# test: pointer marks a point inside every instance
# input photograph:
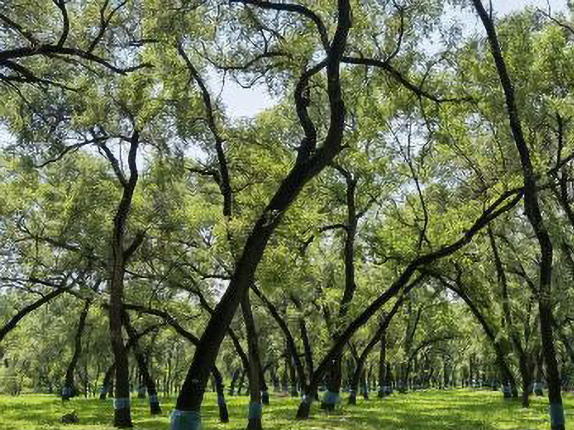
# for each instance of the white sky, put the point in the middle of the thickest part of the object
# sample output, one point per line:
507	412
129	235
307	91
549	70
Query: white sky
243	102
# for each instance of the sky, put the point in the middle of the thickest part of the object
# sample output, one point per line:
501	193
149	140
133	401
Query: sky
249	102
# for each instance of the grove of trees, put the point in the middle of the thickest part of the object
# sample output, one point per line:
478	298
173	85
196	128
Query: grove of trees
402	217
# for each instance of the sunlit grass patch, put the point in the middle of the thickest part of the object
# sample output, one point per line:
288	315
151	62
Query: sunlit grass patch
423	410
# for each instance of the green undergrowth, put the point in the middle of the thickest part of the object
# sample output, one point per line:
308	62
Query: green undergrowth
428	410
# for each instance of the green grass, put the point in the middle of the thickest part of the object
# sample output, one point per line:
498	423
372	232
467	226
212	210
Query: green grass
423	410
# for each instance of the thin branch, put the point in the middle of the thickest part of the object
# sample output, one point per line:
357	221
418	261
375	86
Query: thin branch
71	148
225	181
556	21
114	162
104	22
295	8
307	242
395	74
51	50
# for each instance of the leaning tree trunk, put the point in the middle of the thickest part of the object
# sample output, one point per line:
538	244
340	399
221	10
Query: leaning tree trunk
362	359
309	163
69	389
508	381
291	347
534	214
499	207
143	367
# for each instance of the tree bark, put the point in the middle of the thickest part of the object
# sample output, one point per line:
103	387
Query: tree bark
335	371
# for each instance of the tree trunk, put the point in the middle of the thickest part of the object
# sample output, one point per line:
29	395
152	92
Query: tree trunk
309	163
119	257
334	376
499	207
234	379
365	387
255	406
383	390
534	215
335	372
522	358
107	383
69	390
291	347
142	363
508	381
219	388
264	387
292	376
362	359
122	416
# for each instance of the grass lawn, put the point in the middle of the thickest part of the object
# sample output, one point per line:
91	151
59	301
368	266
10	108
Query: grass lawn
428	410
